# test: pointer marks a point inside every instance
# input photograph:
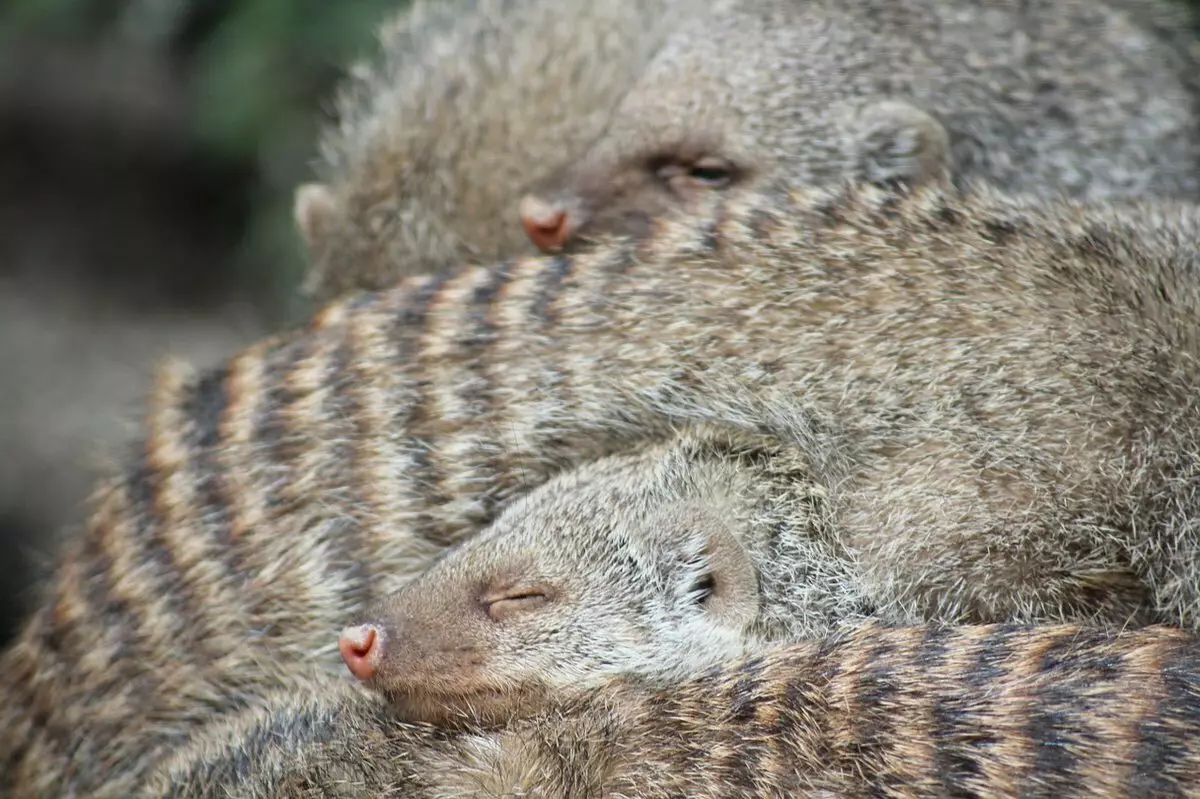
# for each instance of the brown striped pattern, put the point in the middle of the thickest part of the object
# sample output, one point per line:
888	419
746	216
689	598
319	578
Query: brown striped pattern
1000	711
1061	712
272	497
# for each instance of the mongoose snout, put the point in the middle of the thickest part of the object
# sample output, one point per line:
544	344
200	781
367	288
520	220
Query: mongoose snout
547	225
360	646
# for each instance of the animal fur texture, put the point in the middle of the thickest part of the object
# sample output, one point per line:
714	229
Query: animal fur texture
998	396
663	561
984	712
466	107
1087	99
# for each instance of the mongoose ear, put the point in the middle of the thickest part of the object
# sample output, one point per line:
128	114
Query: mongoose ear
735	598
313	207
726	576
897	142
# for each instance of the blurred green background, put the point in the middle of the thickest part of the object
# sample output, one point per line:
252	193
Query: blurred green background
246	82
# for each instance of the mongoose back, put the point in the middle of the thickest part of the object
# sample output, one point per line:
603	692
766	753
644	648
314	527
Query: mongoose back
1076	97
978	381
469	104
903	712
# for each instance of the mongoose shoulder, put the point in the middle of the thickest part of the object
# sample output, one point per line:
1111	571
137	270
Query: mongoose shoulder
1078	97
906	712
999	394
468	105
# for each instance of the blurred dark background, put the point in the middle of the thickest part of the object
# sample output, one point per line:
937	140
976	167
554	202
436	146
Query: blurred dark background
148	154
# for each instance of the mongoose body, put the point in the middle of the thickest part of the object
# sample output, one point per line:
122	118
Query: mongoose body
984	712
999	395
1075	97
467	107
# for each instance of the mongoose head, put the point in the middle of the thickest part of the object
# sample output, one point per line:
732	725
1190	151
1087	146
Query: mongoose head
757	103
643	563
468	104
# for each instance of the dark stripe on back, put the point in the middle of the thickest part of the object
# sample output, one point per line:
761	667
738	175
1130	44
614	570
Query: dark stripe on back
888	209
347	534
951	720
476	337
271	426
1056	713
479	393
1170	740
109	612
407	334
947	214
550	280
802	724
747	748
204	407
875	690
960	734
144	487
619	258
1001	231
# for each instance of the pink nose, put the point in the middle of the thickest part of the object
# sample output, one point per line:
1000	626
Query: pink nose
547	225
360	649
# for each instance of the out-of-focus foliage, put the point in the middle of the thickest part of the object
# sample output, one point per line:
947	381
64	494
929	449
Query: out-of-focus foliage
256	78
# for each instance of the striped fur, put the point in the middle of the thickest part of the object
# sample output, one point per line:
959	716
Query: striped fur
999	396
992	712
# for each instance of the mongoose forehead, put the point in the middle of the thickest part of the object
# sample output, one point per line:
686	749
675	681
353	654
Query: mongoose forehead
1000	711
659	562
999	394
1073	97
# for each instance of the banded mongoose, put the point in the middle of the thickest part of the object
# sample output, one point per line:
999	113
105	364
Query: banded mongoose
977	380
467	107
663	561
1077	97
984	712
